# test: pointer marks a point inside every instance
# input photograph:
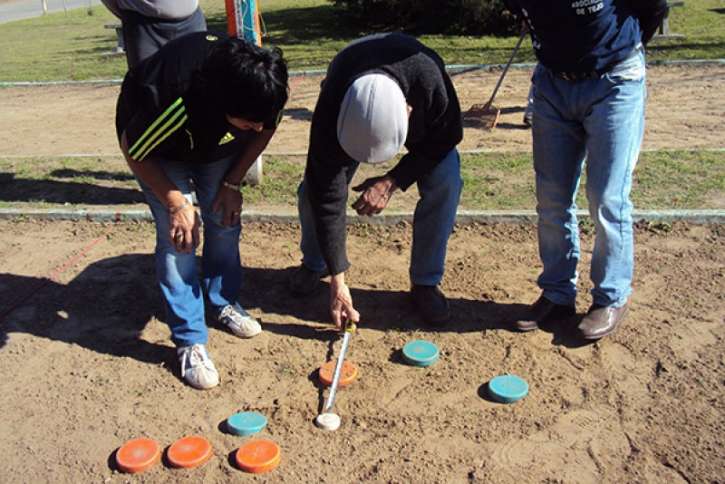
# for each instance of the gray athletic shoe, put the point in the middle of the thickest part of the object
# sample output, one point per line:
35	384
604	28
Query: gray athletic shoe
239	321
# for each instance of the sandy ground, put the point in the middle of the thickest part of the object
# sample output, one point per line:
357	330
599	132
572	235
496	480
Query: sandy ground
87	364
685	110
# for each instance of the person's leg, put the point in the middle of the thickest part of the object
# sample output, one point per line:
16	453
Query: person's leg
221	264
305	280
615	129
177	272
311	254
559	147
435	214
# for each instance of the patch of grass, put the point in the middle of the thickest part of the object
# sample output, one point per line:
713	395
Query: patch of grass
76	46
693	179
493	181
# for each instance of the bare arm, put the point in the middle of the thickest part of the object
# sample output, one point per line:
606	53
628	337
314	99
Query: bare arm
229	199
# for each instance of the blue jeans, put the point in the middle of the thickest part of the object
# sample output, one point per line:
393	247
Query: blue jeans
177	272
602	120
435	214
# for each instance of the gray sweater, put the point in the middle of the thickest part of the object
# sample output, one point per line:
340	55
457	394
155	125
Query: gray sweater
163	9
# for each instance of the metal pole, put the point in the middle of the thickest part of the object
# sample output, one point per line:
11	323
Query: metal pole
338	370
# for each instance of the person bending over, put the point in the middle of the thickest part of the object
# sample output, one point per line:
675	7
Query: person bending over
199	112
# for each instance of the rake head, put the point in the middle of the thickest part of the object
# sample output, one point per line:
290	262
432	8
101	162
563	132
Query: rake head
483	115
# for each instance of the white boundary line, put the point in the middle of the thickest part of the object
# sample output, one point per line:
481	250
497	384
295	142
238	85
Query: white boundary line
452	68
290	217
304	153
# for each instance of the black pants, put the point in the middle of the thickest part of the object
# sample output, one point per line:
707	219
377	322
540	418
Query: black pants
143	36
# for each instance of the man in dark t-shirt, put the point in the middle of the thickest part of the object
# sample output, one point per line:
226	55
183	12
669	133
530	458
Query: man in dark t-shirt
199	111
381	92
589	100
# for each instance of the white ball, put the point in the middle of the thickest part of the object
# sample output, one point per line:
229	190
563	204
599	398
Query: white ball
328	421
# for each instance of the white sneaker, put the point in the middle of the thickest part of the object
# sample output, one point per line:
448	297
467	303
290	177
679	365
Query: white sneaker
197	369
239	321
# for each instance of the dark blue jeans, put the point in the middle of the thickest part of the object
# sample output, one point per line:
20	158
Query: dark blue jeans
435	214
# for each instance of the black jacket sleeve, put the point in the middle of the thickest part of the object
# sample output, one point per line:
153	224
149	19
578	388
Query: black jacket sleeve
443	132
650	14
327	183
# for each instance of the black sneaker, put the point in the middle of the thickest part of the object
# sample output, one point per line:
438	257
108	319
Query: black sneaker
304	281
544	312
432	304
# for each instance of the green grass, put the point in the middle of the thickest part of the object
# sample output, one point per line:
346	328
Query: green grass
75	46
663	180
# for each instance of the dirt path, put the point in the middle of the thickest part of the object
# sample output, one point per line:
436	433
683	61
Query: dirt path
87	364
685	110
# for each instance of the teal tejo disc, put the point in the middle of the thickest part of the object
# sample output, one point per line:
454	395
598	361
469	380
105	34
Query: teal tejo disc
420	353
508	388
246	423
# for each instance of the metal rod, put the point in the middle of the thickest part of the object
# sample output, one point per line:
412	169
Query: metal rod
338	370
508	64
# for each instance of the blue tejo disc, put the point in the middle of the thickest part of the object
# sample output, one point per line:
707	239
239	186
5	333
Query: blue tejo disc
246	423
420	353
508	388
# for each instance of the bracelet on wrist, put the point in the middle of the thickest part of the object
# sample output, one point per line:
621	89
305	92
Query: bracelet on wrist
231	186
173	210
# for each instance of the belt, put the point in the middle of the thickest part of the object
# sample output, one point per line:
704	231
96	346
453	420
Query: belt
578	76
593	74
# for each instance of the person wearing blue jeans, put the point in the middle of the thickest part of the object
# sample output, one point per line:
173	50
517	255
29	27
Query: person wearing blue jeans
200	111
589	103
177	271
435	214
381	92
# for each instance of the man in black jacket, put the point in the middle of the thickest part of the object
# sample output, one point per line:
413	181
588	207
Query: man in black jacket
589	101
381	92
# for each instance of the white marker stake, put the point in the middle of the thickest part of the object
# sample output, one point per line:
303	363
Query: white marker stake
328	420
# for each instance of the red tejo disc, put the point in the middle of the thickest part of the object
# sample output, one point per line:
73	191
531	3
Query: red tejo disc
347	375
258	455
138	455
189	452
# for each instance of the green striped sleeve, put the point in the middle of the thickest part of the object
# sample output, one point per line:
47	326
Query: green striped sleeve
159	130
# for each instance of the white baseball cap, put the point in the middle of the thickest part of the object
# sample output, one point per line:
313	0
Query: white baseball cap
373	122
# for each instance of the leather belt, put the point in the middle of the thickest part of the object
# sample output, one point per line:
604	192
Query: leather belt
578	76
594	74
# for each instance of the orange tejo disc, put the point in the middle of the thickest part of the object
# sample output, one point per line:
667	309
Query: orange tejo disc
258	455
189	452
138	455
347	375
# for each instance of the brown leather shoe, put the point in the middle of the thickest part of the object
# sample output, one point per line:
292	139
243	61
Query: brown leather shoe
544	312
601	321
